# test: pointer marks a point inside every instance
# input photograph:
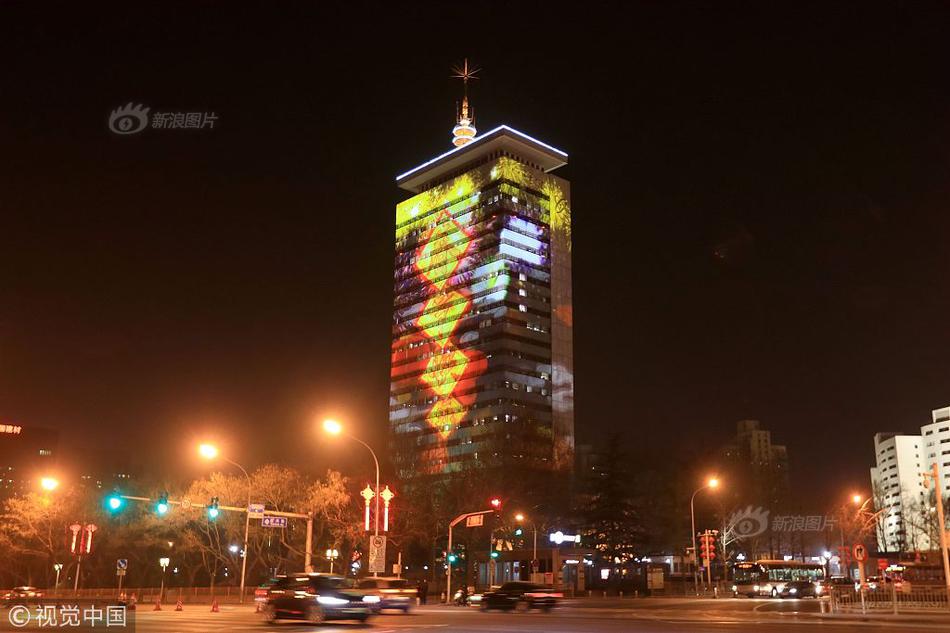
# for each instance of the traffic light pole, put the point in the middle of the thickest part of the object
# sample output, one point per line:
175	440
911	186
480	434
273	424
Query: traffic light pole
308	552
448	552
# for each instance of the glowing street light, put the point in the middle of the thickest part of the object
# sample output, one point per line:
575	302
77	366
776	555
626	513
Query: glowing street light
209	452
712	483
335	428
856	499
49	484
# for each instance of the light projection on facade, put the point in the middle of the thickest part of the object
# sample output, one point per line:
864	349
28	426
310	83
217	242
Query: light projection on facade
481	358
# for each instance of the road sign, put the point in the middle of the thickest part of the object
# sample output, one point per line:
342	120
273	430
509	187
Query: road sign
882	564
274	522
256	510
377	554
475	521
120	572
122	563
860	552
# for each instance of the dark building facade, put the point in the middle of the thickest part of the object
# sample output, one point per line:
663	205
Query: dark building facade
482	358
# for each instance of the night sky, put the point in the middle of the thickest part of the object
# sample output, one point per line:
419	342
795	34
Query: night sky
759	198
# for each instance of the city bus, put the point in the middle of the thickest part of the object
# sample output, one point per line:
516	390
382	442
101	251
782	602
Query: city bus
915	573
768	577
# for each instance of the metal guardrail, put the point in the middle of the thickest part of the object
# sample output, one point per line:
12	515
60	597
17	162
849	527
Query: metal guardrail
889	598
149	595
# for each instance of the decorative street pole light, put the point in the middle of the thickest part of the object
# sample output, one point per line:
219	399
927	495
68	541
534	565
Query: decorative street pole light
332	555
209	452
712	483
58	567
335	428
163	561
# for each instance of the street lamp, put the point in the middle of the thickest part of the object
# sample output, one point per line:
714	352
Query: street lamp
49	484
333	427
712	483
210	451
534	552
163	561
332	555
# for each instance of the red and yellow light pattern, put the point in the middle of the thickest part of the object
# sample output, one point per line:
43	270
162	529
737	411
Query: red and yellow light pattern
449	369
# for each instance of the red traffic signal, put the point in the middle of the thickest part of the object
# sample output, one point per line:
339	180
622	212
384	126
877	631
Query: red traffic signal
496	503
708	546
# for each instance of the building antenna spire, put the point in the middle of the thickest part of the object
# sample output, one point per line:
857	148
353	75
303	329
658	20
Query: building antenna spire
464	130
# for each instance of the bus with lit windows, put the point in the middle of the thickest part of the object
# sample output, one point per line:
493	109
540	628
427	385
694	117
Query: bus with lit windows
915	573
768	578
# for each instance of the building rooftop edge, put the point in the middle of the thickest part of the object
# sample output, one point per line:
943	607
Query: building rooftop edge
547	156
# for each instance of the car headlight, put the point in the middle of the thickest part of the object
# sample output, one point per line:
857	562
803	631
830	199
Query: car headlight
755	588
331	601
371	599
735	588
793	590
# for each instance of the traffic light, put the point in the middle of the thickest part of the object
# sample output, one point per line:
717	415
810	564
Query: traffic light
114	503
162	506
707	546
494	554
213	509
519	532
496	503
452	559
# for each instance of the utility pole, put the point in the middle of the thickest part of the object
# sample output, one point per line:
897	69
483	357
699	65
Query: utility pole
934	476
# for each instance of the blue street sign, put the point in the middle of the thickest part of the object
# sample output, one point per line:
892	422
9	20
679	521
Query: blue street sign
275	522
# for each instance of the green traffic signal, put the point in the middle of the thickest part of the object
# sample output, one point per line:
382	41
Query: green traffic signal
494	554
453	558
162	506
114	503
519	532
213	509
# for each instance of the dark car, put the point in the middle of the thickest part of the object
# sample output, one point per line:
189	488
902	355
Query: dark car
393	593
521	595
22	594
317	598
799	589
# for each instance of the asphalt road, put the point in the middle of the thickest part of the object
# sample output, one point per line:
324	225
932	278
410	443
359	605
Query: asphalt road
644	616
669	615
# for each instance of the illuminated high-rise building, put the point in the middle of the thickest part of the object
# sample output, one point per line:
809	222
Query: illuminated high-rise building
482	361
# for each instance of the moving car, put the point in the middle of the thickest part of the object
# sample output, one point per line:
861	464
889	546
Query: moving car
20	594
521	595
800	589
317	598
393	593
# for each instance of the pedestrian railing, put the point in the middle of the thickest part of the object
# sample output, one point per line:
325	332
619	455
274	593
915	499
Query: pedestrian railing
150	595
889	598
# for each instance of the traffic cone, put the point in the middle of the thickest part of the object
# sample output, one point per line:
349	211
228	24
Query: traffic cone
178	606
158	605
214	606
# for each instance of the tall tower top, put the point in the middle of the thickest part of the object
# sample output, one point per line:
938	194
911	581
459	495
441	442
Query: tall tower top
464	130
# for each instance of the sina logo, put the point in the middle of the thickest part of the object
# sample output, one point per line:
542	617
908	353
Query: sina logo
128	119
749	522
